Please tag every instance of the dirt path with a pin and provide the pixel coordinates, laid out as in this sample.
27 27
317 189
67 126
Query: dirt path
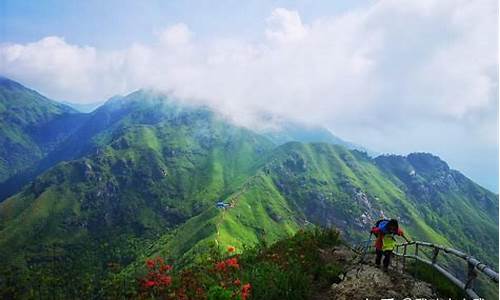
369 282
233 200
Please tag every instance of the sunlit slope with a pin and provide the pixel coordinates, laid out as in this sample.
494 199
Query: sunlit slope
146 176
331 186
142 174
31 125
258 213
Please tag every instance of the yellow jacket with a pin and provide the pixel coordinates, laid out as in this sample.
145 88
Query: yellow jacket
389 242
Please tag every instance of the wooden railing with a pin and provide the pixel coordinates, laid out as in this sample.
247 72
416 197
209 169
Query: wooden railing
473 264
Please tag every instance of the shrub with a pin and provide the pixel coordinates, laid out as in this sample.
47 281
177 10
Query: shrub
284 270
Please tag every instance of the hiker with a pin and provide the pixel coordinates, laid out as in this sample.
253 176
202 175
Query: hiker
385 230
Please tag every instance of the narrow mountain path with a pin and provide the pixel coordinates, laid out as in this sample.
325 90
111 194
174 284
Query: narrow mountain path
366 281
233 200
372 283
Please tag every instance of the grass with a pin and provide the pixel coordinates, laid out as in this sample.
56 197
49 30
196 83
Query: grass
160 168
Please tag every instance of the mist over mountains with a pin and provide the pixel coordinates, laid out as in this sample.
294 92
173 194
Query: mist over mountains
429 74
140 175
230 150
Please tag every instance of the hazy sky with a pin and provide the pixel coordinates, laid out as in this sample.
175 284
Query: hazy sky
395 76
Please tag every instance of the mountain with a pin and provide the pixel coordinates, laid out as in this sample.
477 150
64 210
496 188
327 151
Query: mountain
83 107
447 200
31 126
140 175
146 165
289 131
333 186
151 154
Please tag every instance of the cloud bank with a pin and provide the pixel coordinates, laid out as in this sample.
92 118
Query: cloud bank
397 76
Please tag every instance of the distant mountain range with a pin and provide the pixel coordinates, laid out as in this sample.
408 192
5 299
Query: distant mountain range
290 131
140 176
83 107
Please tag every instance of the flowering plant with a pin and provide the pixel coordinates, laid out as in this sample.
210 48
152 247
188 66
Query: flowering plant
223 280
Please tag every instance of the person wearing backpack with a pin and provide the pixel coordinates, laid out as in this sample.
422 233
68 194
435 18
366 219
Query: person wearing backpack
385 231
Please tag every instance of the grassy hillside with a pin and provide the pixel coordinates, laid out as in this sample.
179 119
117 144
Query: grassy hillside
134 194
145 177
30 127
332 186
140 177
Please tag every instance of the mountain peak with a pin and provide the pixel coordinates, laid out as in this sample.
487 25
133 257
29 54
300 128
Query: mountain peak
427 161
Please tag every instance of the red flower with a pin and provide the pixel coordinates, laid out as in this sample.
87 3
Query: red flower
150 263
220 266
165 279
237 282
166 268
149 283
245 291
232 262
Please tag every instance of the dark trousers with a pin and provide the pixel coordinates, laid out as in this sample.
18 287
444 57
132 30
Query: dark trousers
387 257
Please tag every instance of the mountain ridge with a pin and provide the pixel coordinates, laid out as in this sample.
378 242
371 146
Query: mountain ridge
31 126
142 175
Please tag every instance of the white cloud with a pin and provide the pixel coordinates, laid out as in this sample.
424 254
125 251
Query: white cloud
285 26
373 74
51 63
178 34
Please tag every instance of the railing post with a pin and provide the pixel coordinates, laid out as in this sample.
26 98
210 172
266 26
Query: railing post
416 261
435 255
474 266
404 257
397 257
471 275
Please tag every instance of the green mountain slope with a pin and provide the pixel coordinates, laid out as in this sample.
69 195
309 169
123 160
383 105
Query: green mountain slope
332 186
153 168
30 127
140 175
449 202
113 120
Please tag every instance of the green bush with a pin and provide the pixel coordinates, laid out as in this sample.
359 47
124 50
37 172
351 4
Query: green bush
285 270
271 281
219 293
288 268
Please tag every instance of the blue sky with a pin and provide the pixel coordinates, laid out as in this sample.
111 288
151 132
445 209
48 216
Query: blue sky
394 76
111 24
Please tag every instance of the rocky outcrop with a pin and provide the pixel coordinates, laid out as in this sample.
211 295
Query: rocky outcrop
365 281
370 282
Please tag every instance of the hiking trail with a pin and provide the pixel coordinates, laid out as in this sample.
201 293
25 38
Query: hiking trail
368 281
233 200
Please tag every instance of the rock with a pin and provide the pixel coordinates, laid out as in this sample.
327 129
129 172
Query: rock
372 283
369 282
342 255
